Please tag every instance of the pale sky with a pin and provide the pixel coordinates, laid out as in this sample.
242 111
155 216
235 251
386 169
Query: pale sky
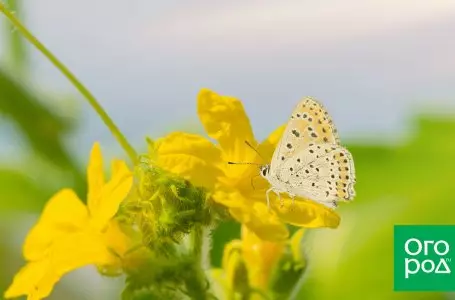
370 62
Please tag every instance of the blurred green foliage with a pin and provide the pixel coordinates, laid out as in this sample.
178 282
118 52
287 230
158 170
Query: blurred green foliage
42 128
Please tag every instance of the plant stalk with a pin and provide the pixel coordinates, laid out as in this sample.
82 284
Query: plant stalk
72 78
197 283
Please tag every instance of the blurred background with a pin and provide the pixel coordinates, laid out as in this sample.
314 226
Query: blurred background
385 70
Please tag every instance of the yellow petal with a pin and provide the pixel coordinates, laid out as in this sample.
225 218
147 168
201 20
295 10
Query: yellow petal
235 269
116 240
33 280
63 214
190 156
80 249
296 245
120 244
219 283
260 220
267 147
106 205
66 254
229 248
306 213
228 197
95 175
250 182
260 257
225 120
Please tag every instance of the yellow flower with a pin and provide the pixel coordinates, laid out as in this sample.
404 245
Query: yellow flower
250 265
260 258
205 164
70 235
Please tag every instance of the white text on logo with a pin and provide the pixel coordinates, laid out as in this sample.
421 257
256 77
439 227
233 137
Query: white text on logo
438 266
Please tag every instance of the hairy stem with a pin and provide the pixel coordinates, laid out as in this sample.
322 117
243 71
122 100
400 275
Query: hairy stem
72 78
197 283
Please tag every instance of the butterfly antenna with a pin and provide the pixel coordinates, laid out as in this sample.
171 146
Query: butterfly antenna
254 149
248 163
242 163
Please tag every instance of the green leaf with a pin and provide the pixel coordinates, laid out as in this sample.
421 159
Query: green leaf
42 128
20 192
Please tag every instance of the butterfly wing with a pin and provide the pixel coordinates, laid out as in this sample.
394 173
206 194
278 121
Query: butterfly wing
309 124
321 172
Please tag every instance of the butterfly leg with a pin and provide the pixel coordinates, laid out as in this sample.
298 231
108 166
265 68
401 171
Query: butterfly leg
331 204
277 194
281 200
293 200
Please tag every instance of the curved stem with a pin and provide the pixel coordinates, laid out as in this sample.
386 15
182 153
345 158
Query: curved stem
72 78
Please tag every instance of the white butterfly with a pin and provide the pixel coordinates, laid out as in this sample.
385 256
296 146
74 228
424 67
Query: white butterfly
309 161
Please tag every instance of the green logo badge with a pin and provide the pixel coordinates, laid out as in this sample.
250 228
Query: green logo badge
424 258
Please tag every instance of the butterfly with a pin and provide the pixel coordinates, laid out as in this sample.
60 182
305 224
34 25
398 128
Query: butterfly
309 161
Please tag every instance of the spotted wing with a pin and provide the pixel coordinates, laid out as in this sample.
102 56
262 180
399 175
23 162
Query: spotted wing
322 172
309 124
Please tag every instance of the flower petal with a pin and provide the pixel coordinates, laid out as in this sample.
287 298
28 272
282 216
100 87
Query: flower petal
106 205
63 214
296 246
250 182
190 156
305 213
225 120
81 249
228 197
95 175
260 257
66 254
33 280
267 147
116 240
260 220
229 248
218 282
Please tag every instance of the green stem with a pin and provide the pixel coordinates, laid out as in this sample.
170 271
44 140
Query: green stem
17 53
297 287
70 76
197 239
196 282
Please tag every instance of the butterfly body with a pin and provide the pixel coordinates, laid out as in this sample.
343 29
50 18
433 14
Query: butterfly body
309 161
278 185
